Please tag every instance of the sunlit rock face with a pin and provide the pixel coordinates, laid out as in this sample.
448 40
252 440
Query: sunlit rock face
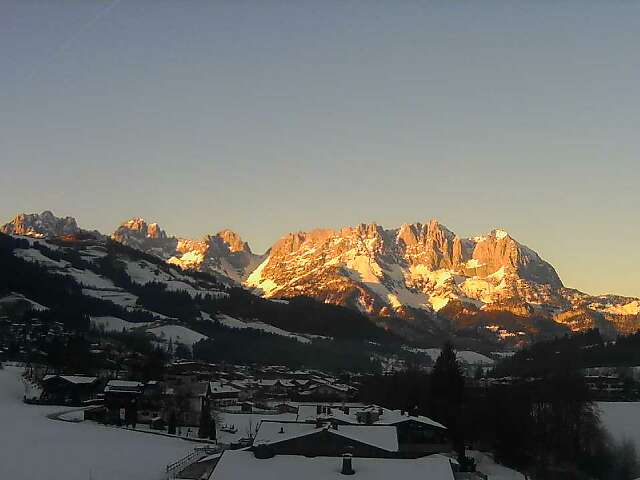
41 225
223 254
421 266
424 272
421 272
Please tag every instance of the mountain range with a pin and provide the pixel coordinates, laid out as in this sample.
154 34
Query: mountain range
417 279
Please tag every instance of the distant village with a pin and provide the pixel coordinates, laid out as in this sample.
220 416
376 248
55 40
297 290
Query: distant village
254 421
245 416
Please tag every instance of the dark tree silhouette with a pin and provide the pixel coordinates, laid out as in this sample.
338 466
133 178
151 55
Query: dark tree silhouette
205 420
447 394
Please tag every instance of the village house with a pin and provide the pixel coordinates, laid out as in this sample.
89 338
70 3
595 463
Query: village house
222 395
120 395
244 464
325 391
418 435
68 389
326 439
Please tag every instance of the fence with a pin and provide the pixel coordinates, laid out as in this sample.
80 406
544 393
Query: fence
198 453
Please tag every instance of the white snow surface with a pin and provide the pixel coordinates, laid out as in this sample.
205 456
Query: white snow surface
35 447
177 333
465 356
381 436
241 464
621 420
631 308
89 279
115 324
36 256
494 471
256 280
232 322
14 297
119 297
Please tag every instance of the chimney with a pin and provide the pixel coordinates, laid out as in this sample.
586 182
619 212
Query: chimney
347 468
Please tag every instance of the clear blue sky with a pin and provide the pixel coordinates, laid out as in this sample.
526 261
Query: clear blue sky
274 116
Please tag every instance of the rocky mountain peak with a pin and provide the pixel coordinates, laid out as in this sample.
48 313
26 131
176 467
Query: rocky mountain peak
138 227
233 241
224 254
41 225
414 267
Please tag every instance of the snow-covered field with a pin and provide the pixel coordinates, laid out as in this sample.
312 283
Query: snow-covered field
177 333
622 420
115 324
231 322
35 447
465 356
492 470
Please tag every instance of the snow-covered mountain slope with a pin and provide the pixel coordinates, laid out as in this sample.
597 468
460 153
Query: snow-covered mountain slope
422 270
223 254
424 274
417 266
122 288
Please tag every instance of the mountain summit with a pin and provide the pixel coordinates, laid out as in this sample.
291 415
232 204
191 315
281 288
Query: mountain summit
417 279
41 225
224 254
417 266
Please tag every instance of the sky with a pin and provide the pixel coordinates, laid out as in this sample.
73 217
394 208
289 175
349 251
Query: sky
274 116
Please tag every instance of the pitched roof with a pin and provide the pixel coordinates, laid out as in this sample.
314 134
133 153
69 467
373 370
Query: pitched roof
384 437
123 386
76 379
236 464
218 387
387 417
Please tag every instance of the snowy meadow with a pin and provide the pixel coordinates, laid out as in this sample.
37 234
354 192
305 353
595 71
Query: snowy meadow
34 446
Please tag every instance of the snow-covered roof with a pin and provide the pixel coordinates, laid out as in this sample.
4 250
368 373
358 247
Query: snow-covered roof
217 387
393 417
236 464
387 417
76 379
123 386
380 436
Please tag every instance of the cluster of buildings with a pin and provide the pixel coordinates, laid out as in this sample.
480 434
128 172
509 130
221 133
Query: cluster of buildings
306 423
613 383
19 338
334 440
188 387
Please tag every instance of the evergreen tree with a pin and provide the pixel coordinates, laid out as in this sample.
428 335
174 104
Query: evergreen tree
447 394
172 422
212 429
205 420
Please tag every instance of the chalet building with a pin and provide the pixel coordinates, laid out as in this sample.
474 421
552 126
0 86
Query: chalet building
68 389
606 387
244 464
327 392
186 402
420 436
276 388
417 435
120 396
296 438
222 394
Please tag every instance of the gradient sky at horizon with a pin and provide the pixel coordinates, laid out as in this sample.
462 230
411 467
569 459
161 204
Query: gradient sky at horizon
274 116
